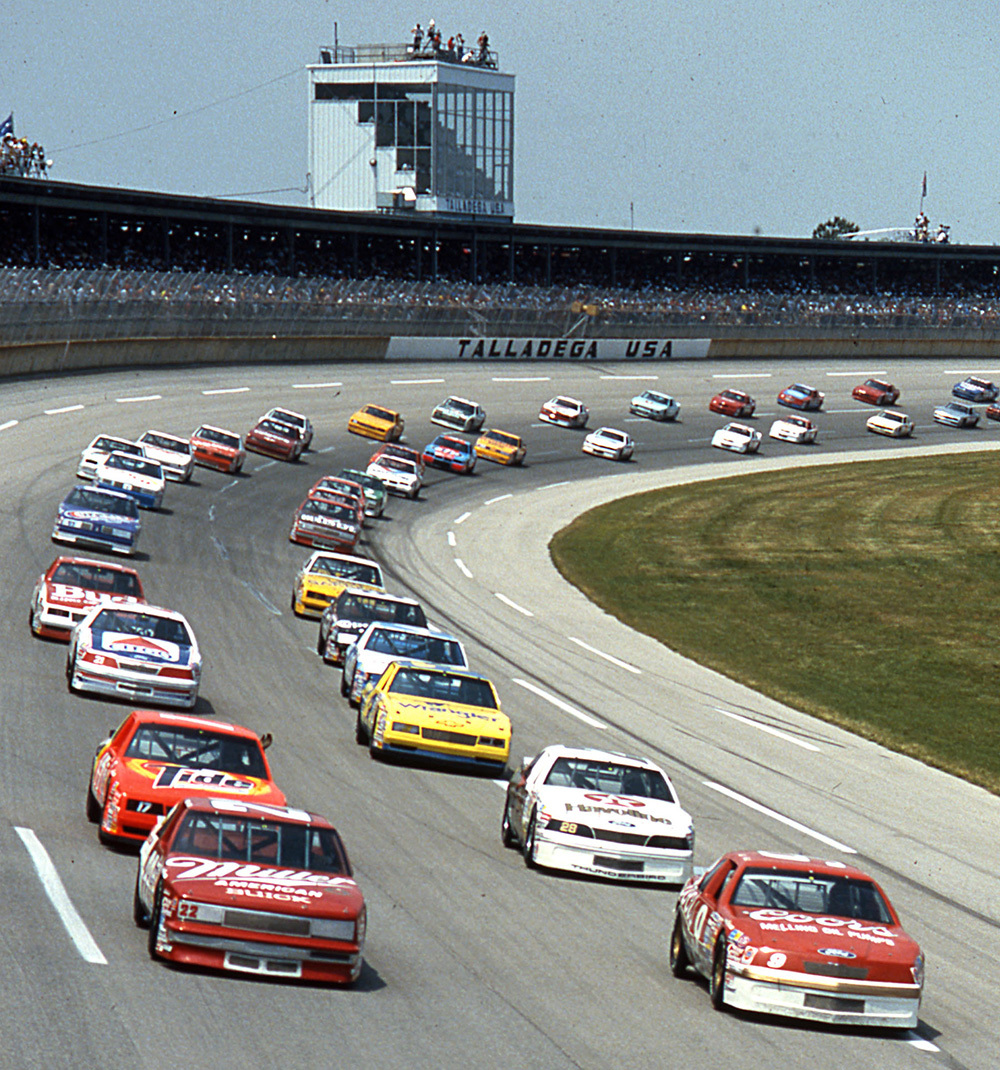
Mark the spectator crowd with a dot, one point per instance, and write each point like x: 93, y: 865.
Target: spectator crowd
x: 21, y: 158
x: 430, y: 43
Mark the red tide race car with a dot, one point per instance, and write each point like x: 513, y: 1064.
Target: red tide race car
x: 733, y: 403
x: 214, y: 447
x: 257, y: 889
x: 153, y: 760
x: 70, y: 586
x: 275, y: 439
x: 796, y: 936
x: 876, y: 392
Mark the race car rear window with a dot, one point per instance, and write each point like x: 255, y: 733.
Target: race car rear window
x: 175, y: 445
x: 348, y: 570
x: 610, y: 777
x: 198, y: 748
x: 95, y: 578
x: 445, y: 687
x: 101, y: 502
x: 322, y: 507
x: 287, y: 844
x: 400, y: 644
x: 811, y: 893
x: 209, y: 433
x: 146, y: 625
x: 504, y: 440
x: 371, y: 607
x: 382, y: 414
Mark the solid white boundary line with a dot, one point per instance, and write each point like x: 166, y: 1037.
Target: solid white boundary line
x: 560, y: 705
x: 766, y: 728
x: 798, y: 826
x: 513, y: 605
x: 58, y: 897
x: 607, y: 657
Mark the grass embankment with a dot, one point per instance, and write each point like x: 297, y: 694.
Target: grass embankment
x: 865, y: 594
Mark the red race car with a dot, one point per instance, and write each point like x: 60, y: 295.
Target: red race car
x: 876, y: 392
x: 71, y: 585
x: 394, y: 449
x: 791, y: 935
x: 258, y: 889
x: 733, y: 403
x: 327, y: 522
x: 275, y: 439
x: 214, y: 447
x: 156, y: 759
x: 802, y: 397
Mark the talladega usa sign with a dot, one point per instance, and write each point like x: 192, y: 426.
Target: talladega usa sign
x: 546, y: 348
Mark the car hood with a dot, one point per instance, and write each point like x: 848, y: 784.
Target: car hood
x: 139, y: 648
x: 62, y: 594
x: 168, y: 783
x: 333, y: 585
x: 620, y: 813
x: 95, y: 516
x: 374, y: 664
x: 447, y: 715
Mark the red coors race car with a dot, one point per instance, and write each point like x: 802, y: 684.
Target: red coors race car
x: 70, y: 586
x: 275, y: 439
x: 153, y: 760
x: 215, y: 447
x: 253, y: 888
x: 795, y: 936
x: 732, y: 403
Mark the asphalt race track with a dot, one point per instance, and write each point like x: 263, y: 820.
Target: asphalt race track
x: 472, y: 960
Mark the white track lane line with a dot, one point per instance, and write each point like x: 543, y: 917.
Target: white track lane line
x: 746, y: 375
x: 855, y: 375
x: 607, y: 657
x: 499, y: 498
x: 914, y: 1039
x: 65, y: 408
x: 451, y: 539
x: 313, y: 386
x: 8, y: 424
x: 560, y: 705
x: 761, y: 809
x: 522, y: 378
x: 227, y: 390
x: 766, y: 728
x: 651, y: 378
x: 143, y: 397
x: 462, y: 519
x: 58, y: 897
x: 413, y: 382
x: 463, y: 568
x: 549, y: 486
x: 513, y: 605
x: 974, y: 371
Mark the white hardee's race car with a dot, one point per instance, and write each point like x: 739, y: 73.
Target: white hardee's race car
x: 737, y: 437
x: 890, y: 422
x: 596, y: 812
x: 172, y: 452
x: 564, y: 411
x: 102, y: 447
x: 793, y: 429
x: 609, y: 442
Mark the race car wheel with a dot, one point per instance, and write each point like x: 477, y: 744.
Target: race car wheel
x: 360, y: 732
x: 717, y: 978
x: 529, y: 844
x: 93, y: 807
x: 35, y: 619
x: 344, y: 689
x: 678, y: 950
x: 506, y: 831
x: 320, y: 645
x: 154, y: 921
x: 139, y: 915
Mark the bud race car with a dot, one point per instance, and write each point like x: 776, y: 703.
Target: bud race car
x: 566, y: 412
x: 71, y: 586
x: 171, y: 452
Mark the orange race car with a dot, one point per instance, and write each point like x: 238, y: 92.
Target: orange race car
x: 154, y: 760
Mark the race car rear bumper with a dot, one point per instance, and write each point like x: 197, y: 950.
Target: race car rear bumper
x: 182, y: 695
x: 601, y: 858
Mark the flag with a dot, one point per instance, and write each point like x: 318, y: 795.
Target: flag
x: 7, y: 126
x: 923, y: 189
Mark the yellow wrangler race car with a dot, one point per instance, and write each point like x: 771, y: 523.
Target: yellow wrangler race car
x: 501, y: 447
x: 324, y: 575
x: 376, y: 421
x: 424, y: 710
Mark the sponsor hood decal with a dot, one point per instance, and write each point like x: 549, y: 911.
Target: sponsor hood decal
x: 138, y: 646
x: 183, y: 780
x: 601, y: 809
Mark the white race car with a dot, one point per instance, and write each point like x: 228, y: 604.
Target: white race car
x: 100, y: 448
x: 138, y: 477
x: 654, y: 405
x: 381, y: 644
x: 596, y: 812
x: 566, y: 412
x: 399, y: 475
x: 293, y: 419
x: 609, y: 442
x: 794, y: 429
x: 890, y: 422
x: 172, y: 452
x: 737, y: 437
x: 956, y: 414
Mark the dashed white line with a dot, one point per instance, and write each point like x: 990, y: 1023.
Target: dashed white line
x: 913, y: 1039
x: 144, y: 397
x: 768, y: 812
x: 607, y: 657
x: 766, y: 728
x: 266, y: 464
x: 855, y: 375
x: 463, y: 568
x: 513, y: 605
x: 549, y: 486
x: 522, y: 378
x: 742, y: 375
x: 8, y: 424
x: 462, y: 519
x: 234, y: 483
x: 227, y: 390
x: 498, y: 498
x: 840, y: 412
x: 313, y: 386
x: 211, y: 513
x: 973, y: 371
x: 451, y: 539
x: 59, y: 898
x: 651, y: 378
x: 560, y: 705
x: 65, y: 408
x: 327, y: 449
x: 413, y: 382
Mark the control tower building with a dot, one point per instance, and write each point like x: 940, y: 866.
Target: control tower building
x: 399, y: 130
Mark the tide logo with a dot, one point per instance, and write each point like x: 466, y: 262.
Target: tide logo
x: 177, y: 777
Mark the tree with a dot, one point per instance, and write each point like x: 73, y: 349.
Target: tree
x: 835, y: 228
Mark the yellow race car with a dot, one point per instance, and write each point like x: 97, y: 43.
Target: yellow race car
x: 424, y: 710
x: 501, y: 447
x: 325, y: 575
x: 376, y: 421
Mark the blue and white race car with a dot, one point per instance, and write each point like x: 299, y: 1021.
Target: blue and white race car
x: 104, y: 518
x: 652, y: 405
x: 452, y: 452
x: 972, y: 388
x: 955, y: 414
x: 140, y: 478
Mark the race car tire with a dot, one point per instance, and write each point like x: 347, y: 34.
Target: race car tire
x: 139, y: 915
x: 414, y: 495
x: 35, y: 619
x: 360, y: 732
x: 507, y: 836
x: 679, y: 960
x: 154, y: 921
x: 529, y: 844
x: 344, y: 689
x: 93, y: 807
x: 320, y: 645
x: 717, y: 978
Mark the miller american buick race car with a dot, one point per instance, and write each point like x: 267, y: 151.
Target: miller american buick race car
x: 259, y: 889
x: 796, y: 936
x: 596, y: 812
x: 71, y: 586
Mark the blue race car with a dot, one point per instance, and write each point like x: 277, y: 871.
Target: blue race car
x: 972, y: 388
x: 107, y: 519
x: 800, y: 396
x: 452, y: 452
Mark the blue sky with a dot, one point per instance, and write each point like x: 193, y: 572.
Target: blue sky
x: 714, y: 117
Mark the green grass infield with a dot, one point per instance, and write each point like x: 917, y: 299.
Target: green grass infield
x: 867, y: 594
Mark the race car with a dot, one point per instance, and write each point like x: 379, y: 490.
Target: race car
x: 800, y: 937
x: 451, y: 452
x: 153, y: 760
x: 379, y: 644
x: 324, y: 575
x: 420, y: 710
x: 339, y: 488
x: 800, y: 396
x: 138, y: 652
x: 71, y: 586
x: 794, y: 429
x: 892, y: 423
x: 275, y: 439
x: 345, y: 618
x: 610, y: 443
x: 376, y: 421
x: 972, y: 388
x: 398, y: 474
x: 732, y: 403
x: 566, y: 412
x: 501, y: 447
x: 460, y: 413
x: 876, y: 392
x: 99, y: 448
x: 653, y: 405
x: 737, y: 437
x: 374, y: 490
x: 252, y: 888
x: 214, y: 447
x: 293, y: 419
x: 138, y: 477
x: 326, y: 524
x: 955, y: 414
x: 993, y: 412
x: 107, y: 519
x: 601, y: 813
x: 397, y: 449
x: 171, y: 452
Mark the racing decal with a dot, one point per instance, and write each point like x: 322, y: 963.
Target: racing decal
x: 234, y: 806
x: 612, y: 800
x: 748, y: 954
x: 584, y: 808
x: 177, y: 777
x: 777, y: 960
x: 698, y: 924
x: 139, y: 646
x: 785, y: 921
x: 738, y: 937
x: 186, y: 867
x: 836, y: 953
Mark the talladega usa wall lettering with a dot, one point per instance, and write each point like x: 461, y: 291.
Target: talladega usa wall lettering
x: 582, y: 349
